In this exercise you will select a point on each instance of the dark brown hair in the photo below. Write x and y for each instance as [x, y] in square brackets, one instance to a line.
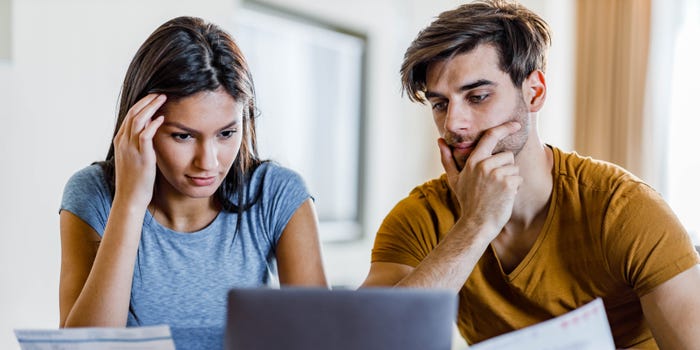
[182, 57]
[520, 36]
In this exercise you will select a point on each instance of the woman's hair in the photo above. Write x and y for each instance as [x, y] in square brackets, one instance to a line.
[520, 37]
[182, 57]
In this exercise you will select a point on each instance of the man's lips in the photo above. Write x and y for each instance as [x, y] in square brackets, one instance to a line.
[462, 149]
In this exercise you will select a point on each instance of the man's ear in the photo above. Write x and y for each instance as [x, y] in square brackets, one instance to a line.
[535, 90]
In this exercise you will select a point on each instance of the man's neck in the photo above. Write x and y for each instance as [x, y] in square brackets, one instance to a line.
[535, 162]
[530, 208]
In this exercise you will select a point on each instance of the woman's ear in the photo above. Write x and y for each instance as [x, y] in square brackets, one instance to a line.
[535, 90]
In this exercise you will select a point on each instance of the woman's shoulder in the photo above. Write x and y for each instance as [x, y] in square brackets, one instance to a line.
[87, 196]
[88, 181]
[270, 173]
[90, 172]
[273, 168]
[272, 180]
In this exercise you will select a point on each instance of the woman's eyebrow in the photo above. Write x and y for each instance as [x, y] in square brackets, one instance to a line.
[231, 124]
[196, 132]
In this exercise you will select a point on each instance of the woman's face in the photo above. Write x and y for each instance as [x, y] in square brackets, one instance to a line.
[197, 143]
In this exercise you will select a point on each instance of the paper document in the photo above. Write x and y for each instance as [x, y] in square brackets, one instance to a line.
[97, 338]
[585, 328]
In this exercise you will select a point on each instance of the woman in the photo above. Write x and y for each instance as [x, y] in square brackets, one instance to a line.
[182, 209]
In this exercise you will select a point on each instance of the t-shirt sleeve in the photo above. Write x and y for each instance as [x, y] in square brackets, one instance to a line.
[86, 196]
[408, 233]
[646, 243]
[284, 191]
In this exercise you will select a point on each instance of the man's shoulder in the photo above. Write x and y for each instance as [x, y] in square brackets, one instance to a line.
[435, 189]
[433, 196]
[592, 174]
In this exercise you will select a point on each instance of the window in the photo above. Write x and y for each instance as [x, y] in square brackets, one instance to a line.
[683, 171]
[308, 79]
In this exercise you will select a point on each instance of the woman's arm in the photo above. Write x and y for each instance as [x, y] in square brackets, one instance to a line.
[299, 250]
[79, 244]
[96, 287]
[95, 284]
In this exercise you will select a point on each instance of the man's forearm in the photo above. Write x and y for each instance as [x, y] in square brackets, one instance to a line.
[451, 262]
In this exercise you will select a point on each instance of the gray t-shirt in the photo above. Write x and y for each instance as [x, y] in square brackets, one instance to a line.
[182, 279]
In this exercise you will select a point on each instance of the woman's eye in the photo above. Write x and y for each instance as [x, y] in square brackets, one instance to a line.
[181, 136]
[227, 133]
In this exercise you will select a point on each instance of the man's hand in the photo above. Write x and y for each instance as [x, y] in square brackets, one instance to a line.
[487, 185]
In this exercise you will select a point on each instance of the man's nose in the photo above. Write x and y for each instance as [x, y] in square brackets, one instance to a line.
[458, 118]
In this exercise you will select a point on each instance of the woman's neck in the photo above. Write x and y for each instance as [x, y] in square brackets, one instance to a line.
[183, 214]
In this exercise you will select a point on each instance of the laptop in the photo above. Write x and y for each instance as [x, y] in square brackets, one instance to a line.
[365, 319]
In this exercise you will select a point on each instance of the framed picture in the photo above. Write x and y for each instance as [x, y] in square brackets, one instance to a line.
[309, 82]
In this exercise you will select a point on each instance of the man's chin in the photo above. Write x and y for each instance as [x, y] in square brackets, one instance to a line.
[460, 161]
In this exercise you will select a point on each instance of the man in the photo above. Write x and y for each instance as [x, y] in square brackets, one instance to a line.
[524, 231]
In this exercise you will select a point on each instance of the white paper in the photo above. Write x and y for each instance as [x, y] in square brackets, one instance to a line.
[96, 338]
[585, 328]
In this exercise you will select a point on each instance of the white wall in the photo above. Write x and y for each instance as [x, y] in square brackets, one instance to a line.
[57, 105]
[58, 97]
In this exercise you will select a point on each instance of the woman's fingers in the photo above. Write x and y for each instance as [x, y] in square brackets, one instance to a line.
[145, 114]
[125, 128]
[146, 137]
[138, 114]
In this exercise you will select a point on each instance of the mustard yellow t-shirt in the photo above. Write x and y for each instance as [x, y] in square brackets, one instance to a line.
[607, 234]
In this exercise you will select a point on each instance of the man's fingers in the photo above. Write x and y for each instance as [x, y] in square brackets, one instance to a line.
[491, 137]
[448, 162]
[496, 161]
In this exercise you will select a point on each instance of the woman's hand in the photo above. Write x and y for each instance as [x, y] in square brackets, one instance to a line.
[134, 156]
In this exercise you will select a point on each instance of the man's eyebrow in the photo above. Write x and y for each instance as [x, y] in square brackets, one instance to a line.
[466, 87]
[476, 84]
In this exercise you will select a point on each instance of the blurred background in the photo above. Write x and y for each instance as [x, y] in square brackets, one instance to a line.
[622, 84]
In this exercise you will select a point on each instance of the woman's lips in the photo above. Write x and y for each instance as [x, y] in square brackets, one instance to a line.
[202, 180]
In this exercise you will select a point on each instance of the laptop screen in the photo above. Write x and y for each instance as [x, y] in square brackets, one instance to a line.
[312, 318]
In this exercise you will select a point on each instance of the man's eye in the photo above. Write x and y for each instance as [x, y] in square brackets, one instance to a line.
[181, 136]
[439, 106]
[228, 133]
[478, 98]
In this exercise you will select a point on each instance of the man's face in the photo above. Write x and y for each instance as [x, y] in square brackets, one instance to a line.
[470, 94]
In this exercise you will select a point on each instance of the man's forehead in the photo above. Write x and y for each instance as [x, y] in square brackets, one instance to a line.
[461, 69]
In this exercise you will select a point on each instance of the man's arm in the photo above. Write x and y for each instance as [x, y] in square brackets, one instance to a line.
[672, 311]
[447, 266]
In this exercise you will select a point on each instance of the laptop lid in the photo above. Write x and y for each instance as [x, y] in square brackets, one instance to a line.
[367, 319]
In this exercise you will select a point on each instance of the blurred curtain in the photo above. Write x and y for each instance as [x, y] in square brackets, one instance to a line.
[612, 54]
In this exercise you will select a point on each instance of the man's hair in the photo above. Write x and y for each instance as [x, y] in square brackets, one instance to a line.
[520, 37]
